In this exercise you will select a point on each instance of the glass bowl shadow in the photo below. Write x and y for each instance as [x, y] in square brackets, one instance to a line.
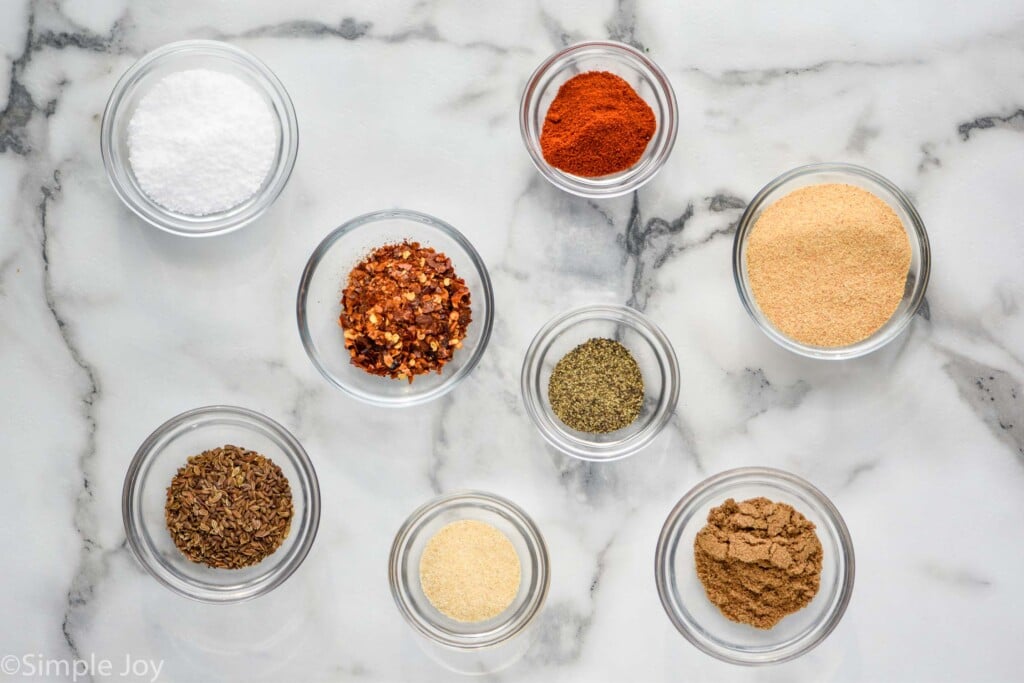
[648, 345]
[318, 305]
[140, 78]
[636, 69]
[700, 621]
[817, 174]
[154, 466]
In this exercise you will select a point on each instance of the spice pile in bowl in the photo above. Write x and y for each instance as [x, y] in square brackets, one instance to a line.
[597, 125]
[228, 508]
[597, 387]
[405, 311]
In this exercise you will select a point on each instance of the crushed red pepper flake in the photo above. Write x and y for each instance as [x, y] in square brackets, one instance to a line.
[404, 311]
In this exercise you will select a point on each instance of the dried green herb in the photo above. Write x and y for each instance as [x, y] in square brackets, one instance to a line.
[597, 387]
[228, 508]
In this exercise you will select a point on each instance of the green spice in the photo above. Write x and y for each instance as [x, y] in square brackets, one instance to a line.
[597, 387]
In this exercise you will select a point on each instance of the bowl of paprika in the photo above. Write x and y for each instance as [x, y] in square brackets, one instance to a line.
[599, 119]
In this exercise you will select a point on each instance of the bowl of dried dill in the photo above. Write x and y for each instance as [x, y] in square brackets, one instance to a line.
[600, 382]
[221, 504]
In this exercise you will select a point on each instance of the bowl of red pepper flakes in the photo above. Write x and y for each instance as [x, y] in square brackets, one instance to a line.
[599, 118]
[395, 307]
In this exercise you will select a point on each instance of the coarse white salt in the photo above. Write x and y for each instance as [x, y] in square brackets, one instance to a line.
[201, 141]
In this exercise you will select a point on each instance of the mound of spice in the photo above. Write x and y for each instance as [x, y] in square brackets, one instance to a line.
[597, 387]
[470, 571]
[201, 141]
[404, 311]
[828, 264]
[758, 560]
[228, 508]
[596, 125]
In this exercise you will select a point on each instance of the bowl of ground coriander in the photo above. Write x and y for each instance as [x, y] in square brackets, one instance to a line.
[221, 504]
[395, 307]
[831, 261]
[755, 566]
[598, 118]
[469, 573]
[600, 382]
[199, 137]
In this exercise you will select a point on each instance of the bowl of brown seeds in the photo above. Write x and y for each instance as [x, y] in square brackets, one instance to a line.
[221, 504]
[831, 260]
[600, 382]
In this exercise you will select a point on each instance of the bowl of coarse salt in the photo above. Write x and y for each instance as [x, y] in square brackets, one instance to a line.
[199, 138]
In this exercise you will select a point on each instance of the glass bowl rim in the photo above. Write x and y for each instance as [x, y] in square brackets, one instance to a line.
[916, 231]
[554, 433]
[362, 221]
[668, 539]
[579, 185]
[288, 124]
[534, 541]
[144, 553]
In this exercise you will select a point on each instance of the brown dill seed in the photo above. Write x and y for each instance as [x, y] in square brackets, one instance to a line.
[597, 387]
[228, 508]
[470, 571]
[828, 264]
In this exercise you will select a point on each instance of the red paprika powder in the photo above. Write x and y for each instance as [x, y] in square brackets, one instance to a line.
[596, 125]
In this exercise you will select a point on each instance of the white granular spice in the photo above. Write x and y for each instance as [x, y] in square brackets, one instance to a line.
[201, 141]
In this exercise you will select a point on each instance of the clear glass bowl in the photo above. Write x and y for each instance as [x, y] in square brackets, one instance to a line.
[700, 621]
[818, 174]
[486, 646]
[319, 304]
[626, 62]
[140, 78]
[151, 472]
[653, 353]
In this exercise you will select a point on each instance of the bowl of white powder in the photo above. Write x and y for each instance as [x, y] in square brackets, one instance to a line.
[199, 138]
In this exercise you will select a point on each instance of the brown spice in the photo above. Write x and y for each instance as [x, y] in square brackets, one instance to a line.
[470, 571]
[596, 125]
[228, 508]
[405, 312]
[758, 560]
[828, 264]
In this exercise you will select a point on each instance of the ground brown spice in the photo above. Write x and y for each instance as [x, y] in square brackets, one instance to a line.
[758, 560]
[828, 264]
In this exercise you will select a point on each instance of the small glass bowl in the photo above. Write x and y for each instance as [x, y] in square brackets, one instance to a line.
[653, 353]
[477, 643]
[140, 78]
[319, 304]
[154, 466]
[700, 621]
[849, 174]
[626, 62]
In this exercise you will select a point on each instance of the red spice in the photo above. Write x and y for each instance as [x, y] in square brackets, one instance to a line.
[596, 125]
[405, 311]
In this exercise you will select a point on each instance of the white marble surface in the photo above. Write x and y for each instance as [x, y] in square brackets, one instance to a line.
[109, 327]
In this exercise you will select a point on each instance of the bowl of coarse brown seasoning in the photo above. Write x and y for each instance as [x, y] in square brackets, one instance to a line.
[395, 307]
[831, 260]
[221, 504]
[469, 572]
[600, 382]
[755, 566]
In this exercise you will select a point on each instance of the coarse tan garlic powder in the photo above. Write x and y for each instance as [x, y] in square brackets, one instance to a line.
[470, 571]
[828, 264]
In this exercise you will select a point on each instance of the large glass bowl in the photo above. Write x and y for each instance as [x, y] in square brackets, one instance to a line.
[635, 68]
[182, 56]
[700, 621]
[154, 466]
[319, 304]
[818, 174]
[648, 345]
